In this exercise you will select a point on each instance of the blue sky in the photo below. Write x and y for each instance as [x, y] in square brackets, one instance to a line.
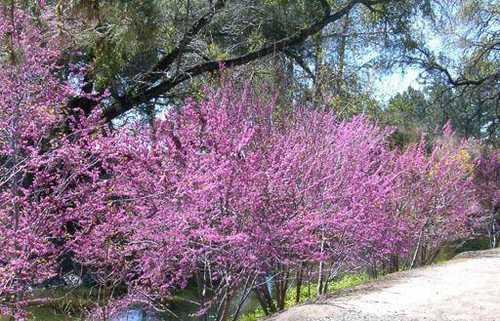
[397, 82]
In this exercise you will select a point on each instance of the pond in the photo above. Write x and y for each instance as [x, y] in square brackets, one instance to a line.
[135, 315]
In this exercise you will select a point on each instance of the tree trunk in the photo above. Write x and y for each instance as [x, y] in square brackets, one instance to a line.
[372, 271]
[320, 270]
[318, 66]
[417, 249]
[298, 285]
[341, 53]
[394, 263]
[492, 231]
[265, 298]
[262, 302]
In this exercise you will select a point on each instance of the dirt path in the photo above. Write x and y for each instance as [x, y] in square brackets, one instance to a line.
[464, 289]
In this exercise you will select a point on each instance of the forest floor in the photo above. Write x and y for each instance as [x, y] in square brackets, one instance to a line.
[466, 288]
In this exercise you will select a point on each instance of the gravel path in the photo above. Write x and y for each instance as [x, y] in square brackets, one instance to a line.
[464, 289]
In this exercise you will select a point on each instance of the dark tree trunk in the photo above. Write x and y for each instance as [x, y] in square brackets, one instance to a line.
[298, 284]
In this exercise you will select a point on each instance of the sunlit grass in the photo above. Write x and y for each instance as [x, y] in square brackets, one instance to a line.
[310, 291]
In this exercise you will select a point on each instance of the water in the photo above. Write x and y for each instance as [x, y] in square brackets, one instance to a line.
[135, 315]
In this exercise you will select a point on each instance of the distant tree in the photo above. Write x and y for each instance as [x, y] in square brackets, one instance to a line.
[408, 113]
[461, 74]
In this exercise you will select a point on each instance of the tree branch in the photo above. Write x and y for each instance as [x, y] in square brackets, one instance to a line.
[300, 61]
[430, 64]
[166, 61]
[130, 101]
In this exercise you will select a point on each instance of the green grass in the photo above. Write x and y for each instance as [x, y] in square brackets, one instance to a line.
[348, 281]
[310, 291]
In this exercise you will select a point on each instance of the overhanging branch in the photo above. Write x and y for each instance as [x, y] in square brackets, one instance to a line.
[129, 101]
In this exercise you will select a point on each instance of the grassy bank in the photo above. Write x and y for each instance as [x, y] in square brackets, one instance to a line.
[310, 292]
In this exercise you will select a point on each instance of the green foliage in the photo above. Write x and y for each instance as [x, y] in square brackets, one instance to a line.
[351, 105]
[348, 281]
[449, 251]
[407, 113]
[310, 291]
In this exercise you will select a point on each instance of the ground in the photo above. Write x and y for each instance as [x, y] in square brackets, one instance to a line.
[466, 288]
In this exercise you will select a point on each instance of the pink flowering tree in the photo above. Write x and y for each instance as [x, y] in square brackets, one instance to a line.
[341, 175]
[437, 197]
[487, 178]
[30, 97]
[221, 196]
[183, 216]
[228, 194]
[43, 156]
